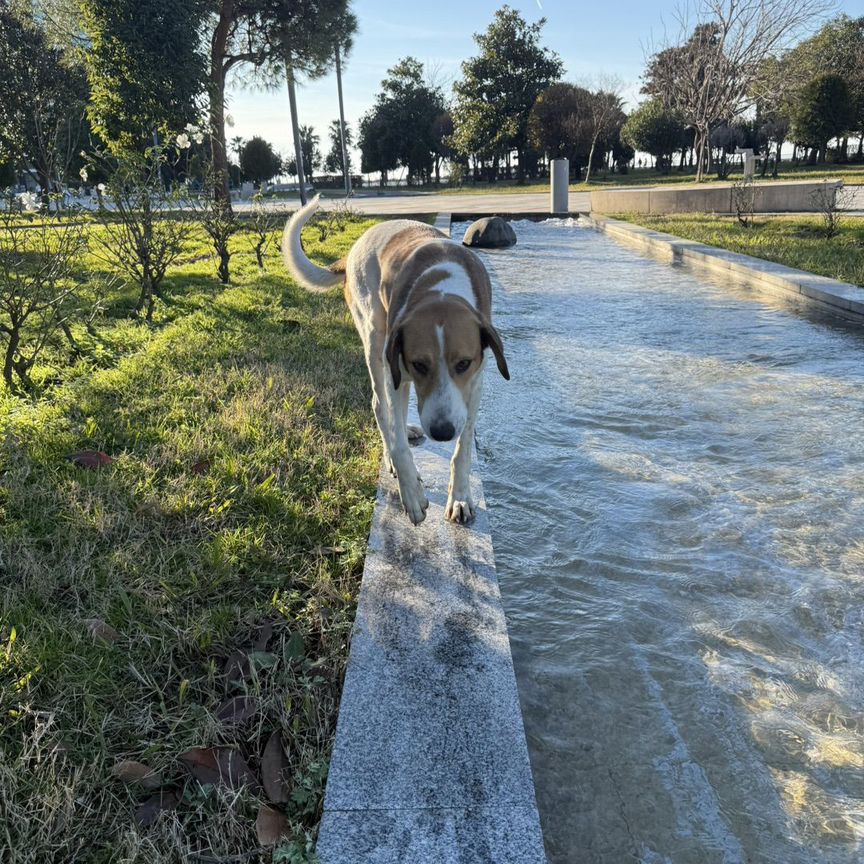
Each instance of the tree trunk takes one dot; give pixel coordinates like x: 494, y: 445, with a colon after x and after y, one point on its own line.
x: 9, y: 361
x: 224, y: 260
x: 218, y: 147
x: 590, y: 159
x: 346, y: 168
x: 295, y: 128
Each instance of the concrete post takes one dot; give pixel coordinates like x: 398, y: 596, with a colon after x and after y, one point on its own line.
x: 559, y: 176
x: 749, y: 161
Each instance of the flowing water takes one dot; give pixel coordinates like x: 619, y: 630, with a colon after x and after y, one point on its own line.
x: 675, y: 476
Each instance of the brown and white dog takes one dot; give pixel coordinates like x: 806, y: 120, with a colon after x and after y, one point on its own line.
x: 422, y: 305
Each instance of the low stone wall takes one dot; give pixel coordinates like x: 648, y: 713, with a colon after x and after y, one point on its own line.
x: 797, y: 286
x: 771, y: 197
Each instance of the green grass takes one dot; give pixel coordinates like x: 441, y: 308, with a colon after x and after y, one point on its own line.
x: 240, y: 495
x: 796, y: 241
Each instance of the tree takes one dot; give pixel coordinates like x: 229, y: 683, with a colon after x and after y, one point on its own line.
x: 708, y: 76
x: 43, y: 95
x: 823, y: 111
x: 605, y: 115
x: 557, y: 124
x: 333, y: 159
x: 655, y: 129
x: 838, y: 48
x: 276, y: 38
x: 400, y: 129
x: 309, y: 144
x: 499, y: 87
x: 145, y: 67
x: 259, y: 162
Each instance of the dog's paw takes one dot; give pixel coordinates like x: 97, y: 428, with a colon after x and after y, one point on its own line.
x: 414, y: 499
x: 460, y: 509
x: 415, y: 433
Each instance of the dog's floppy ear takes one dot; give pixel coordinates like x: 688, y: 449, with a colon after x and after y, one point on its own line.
x: 489, y: 338
x: 393, y: 354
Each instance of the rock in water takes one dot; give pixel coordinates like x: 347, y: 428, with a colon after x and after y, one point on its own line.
x: 493, y: 232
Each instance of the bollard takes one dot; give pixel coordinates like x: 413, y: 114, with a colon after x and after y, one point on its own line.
x: 559, y: 178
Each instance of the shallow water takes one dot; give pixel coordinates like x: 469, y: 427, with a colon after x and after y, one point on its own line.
x: 675, y: 476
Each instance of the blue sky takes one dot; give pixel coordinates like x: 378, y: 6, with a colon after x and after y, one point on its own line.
x: 592, y: 38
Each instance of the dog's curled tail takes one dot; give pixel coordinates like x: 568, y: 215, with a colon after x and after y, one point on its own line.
x: 309, y: 275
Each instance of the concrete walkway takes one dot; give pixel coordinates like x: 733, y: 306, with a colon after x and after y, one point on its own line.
x: 435, y: 202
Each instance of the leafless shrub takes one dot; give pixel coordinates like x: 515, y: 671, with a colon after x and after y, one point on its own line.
x: 220, y: 222
x: 39, y: 294
x: 744, y: 199
x: 829, y: 201
x: 148, y: 226
x: 262, y: 227
x: 335, y: 220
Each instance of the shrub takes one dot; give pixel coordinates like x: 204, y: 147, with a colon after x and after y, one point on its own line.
x: 39, y: 294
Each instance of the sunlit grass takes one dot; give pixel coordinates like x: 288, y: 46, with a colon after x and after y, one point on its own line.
x: 796, y: 241
x: 241, y: 493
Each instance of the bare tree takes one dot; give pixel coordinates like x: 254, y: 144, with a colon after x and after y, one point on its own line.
x: 604, y: 111
x: 708, y: 75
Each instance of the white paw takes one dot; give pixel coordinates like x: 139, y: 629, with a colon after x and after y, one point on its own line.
x: 415, y: 433
x: 460, y: 508
x: 413, y: 498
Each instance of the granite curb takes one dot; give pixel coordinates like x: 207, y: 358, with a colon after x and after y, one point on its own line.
x: 430, y: 763
x: 805, y: 289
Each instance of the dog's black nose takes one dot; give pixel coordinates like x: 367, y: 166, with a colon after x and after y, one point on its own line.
x: 442, y: 431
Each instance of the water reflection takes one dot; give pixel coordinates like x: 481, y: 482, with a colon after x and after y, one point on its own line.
x: 675, y: 481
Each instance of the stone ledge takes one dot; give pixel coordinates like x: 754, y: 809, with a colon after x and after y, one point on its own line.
x: 770, y: 197
x: 807, y: 289
x: 430, y: 762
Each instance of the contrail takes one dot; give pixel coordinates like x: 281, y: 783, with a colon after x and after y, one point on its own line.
x: 540, y: 5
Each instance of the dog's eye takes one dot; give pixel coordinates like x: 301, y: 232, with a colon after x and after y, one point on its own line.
x: 462, y: 366
x: 420, y: 368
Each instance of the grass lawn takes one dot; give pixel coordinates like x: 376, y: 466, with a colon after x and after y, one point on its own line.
x: 197, y: 591
x: 796, y: 241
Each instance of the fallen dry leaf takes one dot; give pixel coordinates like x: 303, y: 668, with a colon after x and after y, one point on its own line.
x: 273, y: 765
x: 235, y: 711
x: 202, y: 466
x: 90, y: 459
x: 219, y: 765
x: 237, y: 666
x: 265, y: 634
x: 148, y: 811
x: 270, y: 826
x: 329, y: 550
x: 130, y: 771
x: 100, y: 630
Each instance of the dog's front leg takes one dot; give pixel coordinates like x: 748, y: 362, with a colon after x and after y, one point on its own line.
x: 410, y: 486
x: 391, y: 421
x: 460, y: 506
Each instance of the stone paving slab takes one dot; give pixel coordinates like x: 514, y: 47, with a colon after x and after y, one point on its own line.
x: 430, y: 762
x: 807, y: 289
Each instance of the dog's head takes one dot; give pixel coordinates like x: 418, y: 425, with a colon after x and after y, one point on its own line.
x: 440, y: 345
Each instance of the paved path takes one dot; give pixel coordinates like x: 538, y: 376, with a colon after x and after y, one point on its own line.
x: 435, y: 202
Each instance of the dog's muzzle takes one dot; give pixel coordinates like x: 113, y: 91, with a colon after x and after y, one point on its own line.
x: 442, y: 430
